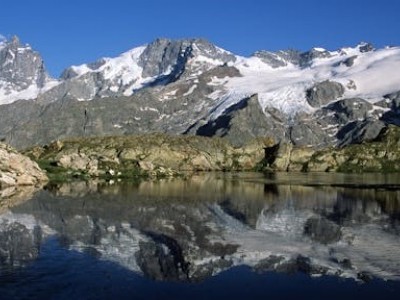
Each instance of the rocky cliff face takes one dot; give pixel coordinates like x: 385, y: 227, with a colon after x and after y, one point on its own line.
x: 316, y: 98
x: 22, y: 72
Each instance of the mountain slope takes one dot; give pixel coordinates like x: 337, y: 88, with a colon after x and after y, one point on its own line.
x: 316, y: 98
x: 284, y: 88
x: 158, y: 63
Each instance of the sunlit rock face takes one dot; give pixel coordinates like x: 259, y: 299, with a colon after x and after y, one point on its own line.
x: 18, y: 170
x: 188, y: 230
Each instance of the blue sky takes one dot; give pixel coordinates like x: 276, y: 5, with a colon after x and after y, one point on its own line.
x: 68, y: 32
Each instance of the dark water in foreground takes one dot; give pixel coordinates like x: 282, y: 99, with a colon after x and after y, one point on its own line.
x: 213, y: 236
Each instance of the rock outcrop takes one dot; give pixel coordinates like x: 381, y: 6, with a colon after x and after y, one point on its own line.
x: 154, y: 155
x: 18, y: 170
x: 380, y: 154
x: 242, y: 123
x: 324, y: 92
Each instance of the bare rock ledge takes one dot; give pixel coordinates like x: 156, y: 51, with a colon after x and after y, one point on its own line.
x: 18, y: 170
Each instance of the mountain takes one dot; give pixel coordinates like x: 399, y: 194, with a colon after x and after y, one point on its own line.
x: 22, y: 72
x: 315, y: 98
x: 159, y: 63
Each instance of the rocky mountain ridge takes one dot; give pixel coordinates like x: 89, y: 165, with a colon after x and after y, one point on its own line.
x: 22, y: 72
x: 316, y: 98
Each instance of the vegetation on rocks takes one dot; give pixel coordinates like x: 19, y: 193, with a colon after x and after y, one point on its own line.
x: 160, y: 155
x: 380, y: 155
x: 154, y: 155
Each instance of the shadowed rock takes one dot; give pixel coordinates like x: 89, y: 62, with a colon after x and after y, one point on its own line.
x: 324, y: 92
x: 360, y: 131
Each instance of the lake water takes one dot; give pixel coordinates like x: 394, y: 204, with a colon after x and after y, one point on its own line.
x: 210, y: 236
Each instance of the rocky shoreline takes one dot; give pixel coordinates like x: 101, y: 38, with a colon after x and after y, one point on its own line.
x: 20, y: 177
x: 154, y: 155
x: 159, y: 155
x: 18, y: 170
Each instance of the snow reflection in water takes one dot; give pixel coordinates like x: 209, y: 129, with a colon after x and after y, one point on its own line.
x: 190, y: 229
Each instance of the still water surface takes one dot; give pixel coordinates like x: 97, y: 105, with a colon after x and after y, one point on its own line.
x: 212, y: 236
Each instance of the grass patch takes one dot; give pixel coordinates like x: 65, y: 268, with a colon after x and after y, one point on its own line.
x: 60, y: 174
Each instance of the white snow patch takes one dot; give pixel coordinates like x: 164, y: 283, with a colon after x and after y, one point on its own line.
x: 191, y: 90
x: 29, y: 221
x: 369, y: 247
x: 373, y: 73
x: 114, y: 89
x: 124, y: 70
x: 171, y: 93
x: 216, y: 81
x: 119, y: 247
x: 225, y: 101
x: 11, y: 94
x: 146, y: 108
x: 81, y: 70
x: 203, y: 59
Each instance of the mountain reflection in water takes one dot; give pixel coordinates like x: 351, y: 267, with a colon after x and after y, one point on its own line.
x: 191, y: 229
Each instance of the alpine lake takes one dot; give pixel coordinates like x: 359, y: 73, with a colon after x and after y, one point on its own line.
x: 205, y: 236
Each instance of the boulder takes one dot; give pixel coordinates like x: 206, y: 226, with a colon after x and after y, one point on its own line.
x: 80, y: 162
x: 299, y: 157
x: 391, y: 101
x: 350, y: 109
x: 17, y: 169
x: 309, y: 133
x: 360, y: 131
x: 324, y: 92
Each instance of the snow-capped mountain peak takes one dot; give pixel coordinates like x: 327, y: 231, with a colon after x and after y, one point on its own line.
x: 160, y: 62
x: 108, y: 76
x: 22, y: 72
